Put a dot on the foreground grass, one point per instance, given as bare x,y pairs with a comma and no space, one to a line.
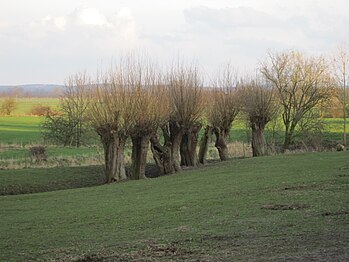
221,212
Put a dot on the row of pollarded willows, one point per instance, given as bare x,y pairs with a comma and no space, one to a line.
168,110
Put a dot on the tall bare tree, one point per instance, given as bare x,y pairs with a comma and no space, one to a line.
340,68
226,106
301,82
259,105
69,127
74,103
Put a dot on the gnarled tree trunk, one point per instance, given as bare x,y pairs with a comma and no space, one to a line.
166,156
114,147
204,144
162,156
221,144
258,139
188,146
140,145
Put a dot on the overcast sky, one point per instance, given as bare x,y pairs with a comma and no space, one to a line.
43,41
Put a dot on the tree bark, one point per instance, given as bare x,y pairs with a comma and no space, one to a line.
162,156
140,145
288,137
220,144
188,146
258,139
114,147
204,145
166,156
176,134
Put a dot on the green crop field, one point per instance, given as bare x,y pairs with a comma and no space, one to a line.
20,129
25,105
26,130
287,207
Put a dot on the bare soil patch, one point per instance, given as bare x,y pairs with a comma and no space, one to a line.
285,207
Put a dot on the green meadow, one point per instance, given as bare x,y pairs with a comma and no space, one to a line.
279,208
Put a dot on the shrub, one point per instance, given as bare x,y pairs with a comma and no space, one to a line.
40,110
8,106
37,153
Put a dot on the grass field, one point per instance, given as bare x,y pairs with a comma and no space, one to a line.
287,207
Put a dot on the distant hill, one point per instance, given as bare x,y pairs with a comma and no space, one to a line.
31,90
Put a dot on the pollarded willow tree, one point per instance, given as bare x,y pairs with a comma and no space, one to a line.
109,115
225,108
127,102
258,102
148,108
301,82
183,91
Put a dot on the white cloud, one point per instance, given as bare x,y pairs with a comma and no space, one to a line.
60,22
90,16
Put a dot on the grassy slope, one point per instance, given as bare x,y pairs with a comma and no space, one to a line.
212,213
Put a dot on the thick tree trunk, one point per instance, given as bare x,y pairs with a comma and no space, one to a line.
258,139
204,144
220,144
167,156
288,137
140,145
287,141
114,147
176,134
188,146
162,155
